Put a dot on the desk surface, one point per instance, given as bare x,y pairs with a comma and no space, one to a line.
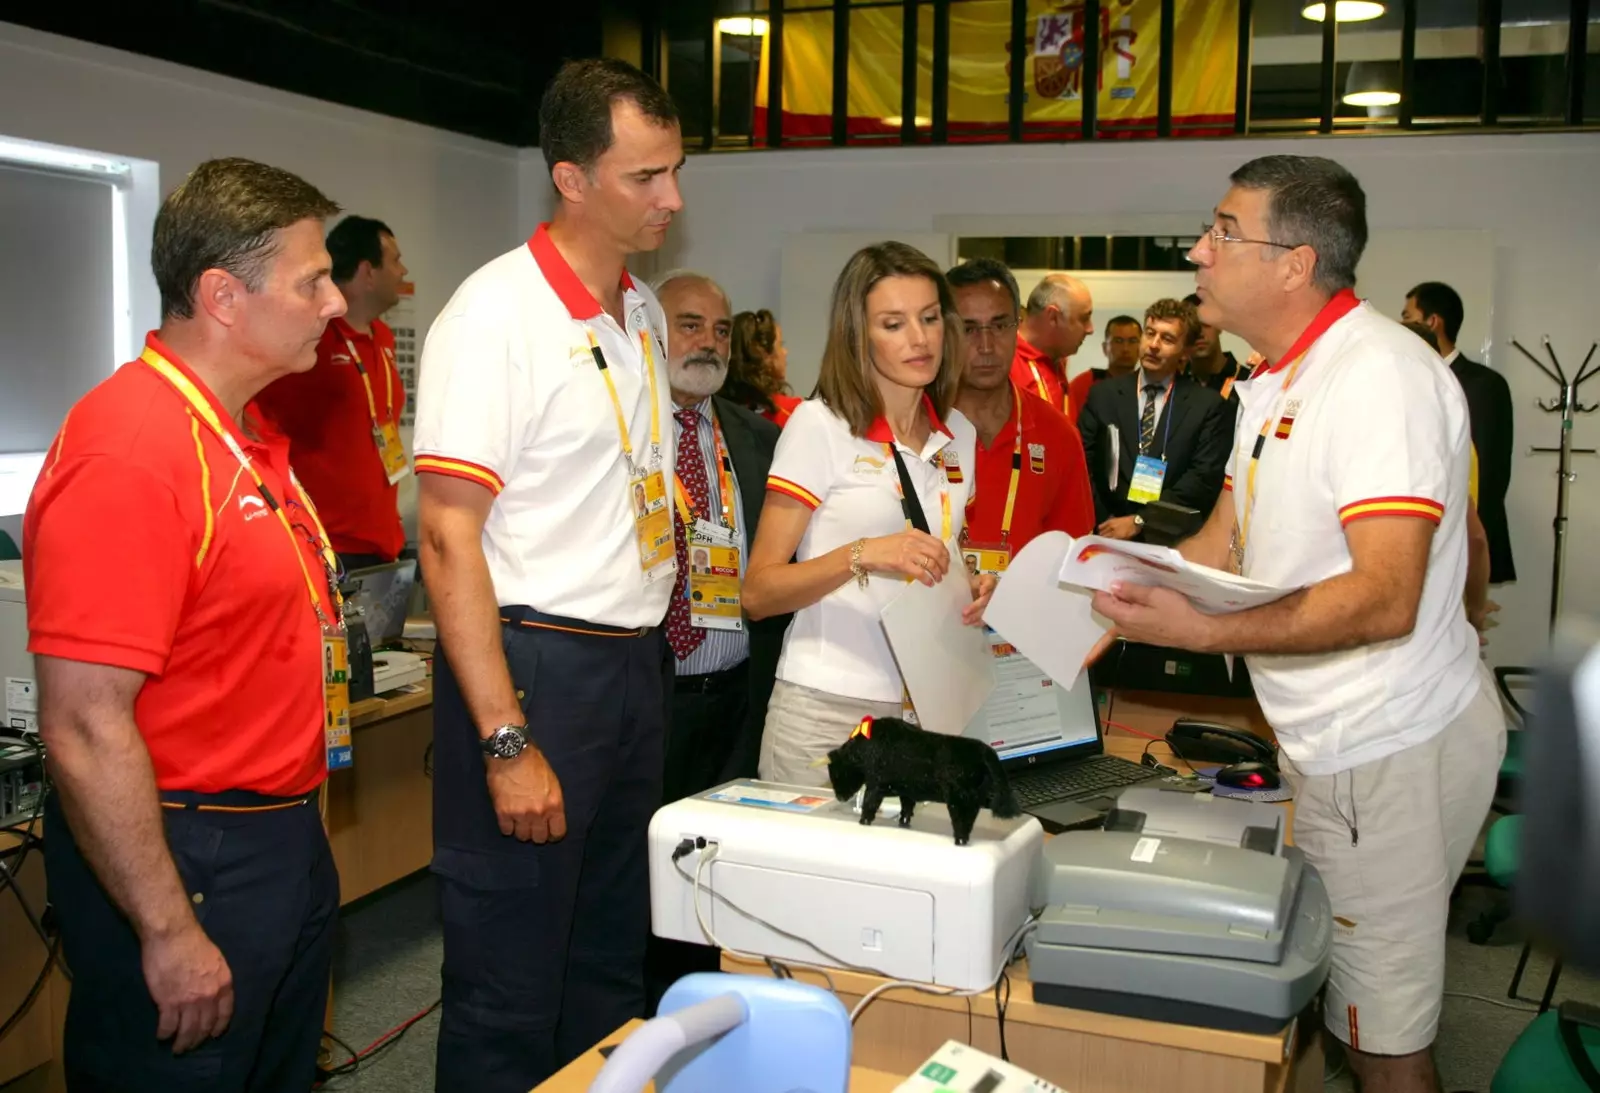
371,710
576,1075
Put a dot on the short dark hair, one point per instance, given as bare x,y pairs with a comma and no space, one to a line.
575,113
1425,332
354,240
1313,202
1438,298
223,216
975,271
1123,320
1193,300
1180,310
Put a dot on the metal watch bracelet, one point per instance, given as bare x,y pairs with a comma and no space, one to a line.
857,570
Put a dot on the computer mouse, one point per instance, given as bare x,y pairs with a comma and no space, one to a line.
1248,776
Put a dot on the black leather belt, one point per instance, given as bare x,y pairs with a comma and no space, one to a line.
713,682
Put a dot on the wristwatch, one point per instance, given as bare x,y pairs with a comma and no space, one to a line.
506,742
1138,520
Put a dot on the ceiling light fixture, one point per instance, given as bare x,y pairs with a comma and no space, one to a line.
744,26
1345,11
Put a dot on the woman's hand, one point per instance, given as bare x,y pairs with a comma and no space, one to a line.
983,586
914,554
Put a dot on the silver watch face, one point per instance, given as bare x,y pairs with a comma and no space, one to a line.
507,743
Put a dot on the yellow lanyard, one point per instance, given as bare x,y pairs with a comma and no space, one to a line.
1038,380
388,381
724,479
202,407
1016,469
616,403
1268,426
944,494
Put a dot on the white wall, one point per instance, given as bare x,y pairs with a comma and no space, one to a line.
452,201
1532,193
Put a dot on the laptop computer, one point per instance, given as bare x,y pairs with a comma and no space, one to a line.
383,592
1057,764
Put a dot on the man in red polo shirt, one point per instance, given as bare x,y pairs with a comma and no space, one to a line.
1031,476
342,417
182,688
1059,316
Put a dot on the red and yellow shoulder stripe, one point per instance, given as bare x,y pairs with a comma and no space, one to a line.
1392,506
1227,481
794,490
460,468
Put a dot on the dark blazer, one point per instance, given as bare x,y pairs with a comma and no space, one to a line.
1196,451
1489,410
751,441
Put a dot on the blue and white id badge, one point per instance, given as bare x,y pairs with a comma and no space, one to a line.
1148,474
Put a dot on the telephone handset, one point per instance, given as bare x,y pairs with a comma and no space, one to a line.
1208,742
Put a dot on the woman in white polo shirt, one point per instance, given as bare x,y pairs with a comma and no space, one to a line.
839,536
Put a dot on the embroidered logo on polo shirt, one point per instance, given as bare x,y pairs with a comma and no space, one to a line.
866,464
339,358
580,355
251,506
1036,458
1286,422
952,467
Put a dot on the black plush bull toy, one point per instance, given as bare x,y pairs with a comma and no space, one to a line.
895,759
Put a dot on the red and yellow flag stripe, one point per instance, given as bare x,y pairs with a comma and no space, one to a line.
460,468
1420,507
791,489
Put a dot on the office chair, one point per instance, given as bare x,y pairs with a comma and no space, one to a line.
1556,1053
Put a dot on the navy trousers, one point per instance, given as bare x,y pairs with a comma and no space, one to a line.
544,944
265,891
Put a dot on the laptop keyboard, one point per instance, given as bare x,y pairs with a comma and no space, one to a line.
1083,779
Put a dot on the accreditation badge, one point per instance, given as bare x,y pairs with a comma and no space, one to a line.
652,526
336,699
1148,474
393,453
985,559
714,573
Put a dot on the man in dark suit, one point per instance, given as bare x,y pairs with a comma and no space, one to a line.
725,664
1438,307
1155,433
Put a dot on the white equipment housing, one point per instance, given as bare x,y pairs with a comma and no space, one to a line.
902,902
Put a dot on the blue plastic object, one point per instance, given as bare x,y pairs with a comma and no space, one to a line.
794,1038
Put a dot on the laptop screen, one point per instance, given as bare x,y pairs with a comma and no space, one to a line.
383,592
1029,716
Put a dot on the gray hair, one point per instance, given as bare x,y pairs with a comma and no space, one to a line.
1051,290
1313,202
667,278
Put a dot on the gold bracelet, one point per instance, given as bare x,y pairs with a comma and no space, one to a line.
857,570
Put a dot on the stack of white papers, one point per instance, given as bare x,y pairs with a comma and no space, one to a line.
1094,563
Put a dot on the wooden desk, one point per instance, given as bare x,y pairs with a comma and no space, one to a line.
380,809
1077,1050
576,1075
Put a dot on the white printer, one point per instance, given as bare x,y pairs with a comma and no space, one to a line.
789,872
21,711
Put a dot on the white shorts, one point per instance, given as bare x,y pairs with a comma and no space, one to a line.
803,725
1390,839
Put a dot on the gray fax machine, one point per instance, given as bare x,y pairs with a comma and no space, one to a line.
1187,908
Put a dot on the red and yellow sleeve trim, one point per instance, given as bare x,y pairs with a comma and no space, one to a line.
1227,481
460,468
1421,507
790,489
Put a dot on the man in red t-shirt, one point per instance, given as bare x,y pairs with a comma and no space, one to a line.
1060,314
1124,336
1031,476
182,686
342,417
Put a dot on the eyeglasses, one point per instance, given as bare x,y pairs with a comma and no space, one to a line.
999,328
1219,235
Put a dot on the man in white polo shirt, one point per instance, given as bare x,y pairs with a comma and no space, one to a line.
543,412
1369,676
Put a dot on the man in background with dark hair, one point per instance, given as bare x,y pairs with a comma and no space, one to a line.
1030,474
1438,307
1369,675
544,406
181,690
342,417
1124,334
1209,364
1155,434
